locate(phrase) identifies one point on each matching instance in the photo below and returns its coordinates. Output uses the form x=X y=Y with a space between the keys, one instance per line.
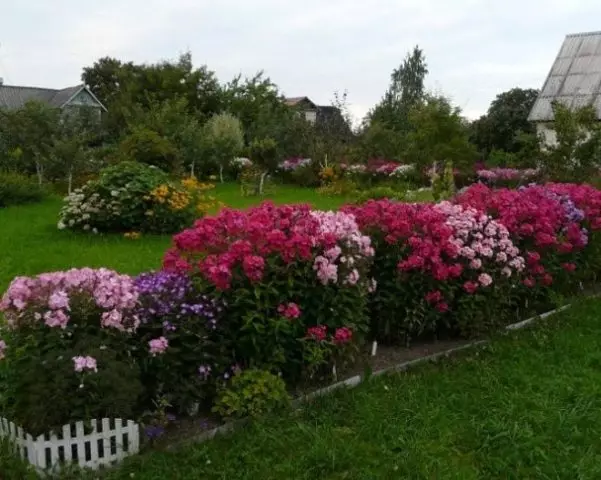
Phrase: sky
x=475 y=49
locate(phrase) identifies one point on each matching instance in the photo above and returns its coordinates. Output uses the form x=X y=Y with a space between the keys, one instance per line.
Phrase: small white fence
x=92 y=444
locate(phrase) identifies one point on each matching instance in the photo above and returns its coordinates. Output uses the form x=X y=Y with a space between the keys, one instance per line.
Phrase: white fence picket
x=50 y=450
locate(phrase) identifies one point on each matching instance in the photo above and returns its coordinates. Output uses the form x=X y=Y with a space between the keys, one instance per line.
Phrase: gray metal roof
x=12 y=97
x=574 y=79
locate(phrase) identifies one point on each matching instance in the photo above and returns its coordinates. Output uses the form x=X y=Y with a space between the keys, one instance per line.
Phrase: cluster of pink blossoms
x=56 y=297
x=83 y=364
x=290 y=310
x=319 y=333
x=158 y=346
x=233 y=238
x=483 y=243
x=335 y=263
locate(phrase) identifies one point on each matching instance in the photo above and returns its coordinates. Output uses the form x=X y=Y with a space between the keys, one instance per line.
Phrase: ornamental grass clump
x=259 y=259
x=67 y=345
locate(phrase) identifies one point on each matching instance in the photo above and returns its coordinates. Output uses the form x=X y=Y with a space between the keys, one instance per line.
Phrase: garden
x=217 y=264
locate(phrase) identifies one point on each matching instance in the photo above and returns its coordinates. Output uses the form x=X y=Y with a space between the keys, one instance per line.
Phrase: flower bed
x=289 y=295
x=508 y=177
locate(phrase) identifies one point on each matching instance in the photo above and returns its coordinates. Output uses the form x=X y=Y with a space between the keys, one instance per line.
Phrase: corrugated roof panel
x=575 y=77
x=595 y=65
x=580 y=64
x=597 y=105
x=571 y=84
x=582 y=101
x=552 y=86
x=589 y=84
x=561 y=66
x=565 y=100
x=589 y=45
x=541 y=110
x=570 y=47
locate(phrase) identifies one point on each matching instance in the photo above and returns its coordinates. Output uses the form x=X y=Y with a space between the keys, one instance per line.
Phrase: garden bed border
x=358 y=379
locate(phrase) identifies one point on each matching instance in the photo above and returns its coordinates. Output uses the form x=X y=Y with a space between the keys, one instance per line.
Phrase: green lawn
x=30 y=242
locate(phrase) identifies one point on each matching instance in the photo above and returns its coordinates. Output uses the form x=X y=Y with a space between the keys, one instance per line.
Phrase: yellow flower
x=132 y=235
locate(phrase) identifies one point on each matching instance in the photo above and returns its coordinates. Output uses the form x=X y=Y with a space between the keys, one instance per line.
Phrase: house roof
x=293 y=101
x=12 y=96
x=574 y=79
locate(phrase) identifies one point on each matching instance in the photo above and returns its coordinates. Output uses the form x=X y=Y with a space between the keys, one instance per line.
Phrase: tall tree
x=505 y=121
x=405 y=91
x=438 y=134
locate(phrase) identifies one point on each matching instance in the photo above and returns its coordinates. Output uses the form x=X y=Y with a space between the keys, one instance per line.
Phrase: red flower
x=442 y=307
x=470 y=287
x=343 y=335
x=532 y=258
x=569 y=267
x=433 y=297
x=290 y=310
x=317 y=333
x=253 y=267
x=547 y=279
x=529 y=282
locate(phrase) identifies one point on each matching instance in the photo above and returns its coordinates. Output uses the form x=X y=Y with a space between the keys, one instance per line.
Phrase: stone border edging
x=358 y=379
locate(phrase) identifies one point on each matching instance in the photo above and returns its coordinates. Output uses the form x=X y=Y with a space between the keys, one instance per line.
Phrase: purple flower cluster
x=169 y=297
x=572 y=213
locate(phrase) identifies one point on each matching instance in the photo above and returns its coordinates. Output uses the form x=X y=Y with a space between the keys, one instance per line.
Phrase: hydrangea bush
x=260 y=259
x=132 y=196
x=66 y=345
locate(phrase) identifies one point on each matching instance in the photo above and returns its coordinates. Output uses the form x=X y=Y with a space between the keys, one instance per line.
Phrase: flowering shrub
x=435 y=267
x=509 y=177
x=377 y=170
x=260 y=259
x=293 y=164
x=546 y=225
x=131 y=196
x=176 y=338
x=66 y=345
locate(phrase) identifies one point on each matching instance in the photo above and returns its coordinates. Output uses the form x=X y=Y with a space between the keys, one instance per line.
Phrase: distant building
x=574 y=81
x=14 y=97
x=326 y=116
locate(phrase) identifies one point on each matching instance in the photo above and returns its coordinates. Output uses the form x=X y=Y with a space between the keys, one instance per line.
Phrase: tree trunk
x=39 y=170
x=262 y=182
x=70 y=181
x=192 y=170
x=221 y=173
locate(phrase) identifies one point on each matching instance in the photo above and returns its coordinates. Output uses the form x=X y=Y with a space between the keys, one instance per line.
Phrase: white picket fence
x=93 y=444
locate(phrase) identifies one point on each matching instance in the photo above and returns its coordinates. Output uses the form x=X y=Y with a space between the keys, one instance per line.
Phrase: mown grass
x=526 y=406
x=30 y=242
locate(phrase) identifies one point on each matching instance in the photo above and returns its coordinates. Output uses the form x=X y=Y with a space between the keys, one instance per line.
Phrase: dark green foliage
x=378 y=193
x=405 y=92
x=438 y=134
x=504 y=125
x=148 y=147
x=252 y=393
x=443 y=183
x=577 y=155
x=39 y=374
x=16 y=189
